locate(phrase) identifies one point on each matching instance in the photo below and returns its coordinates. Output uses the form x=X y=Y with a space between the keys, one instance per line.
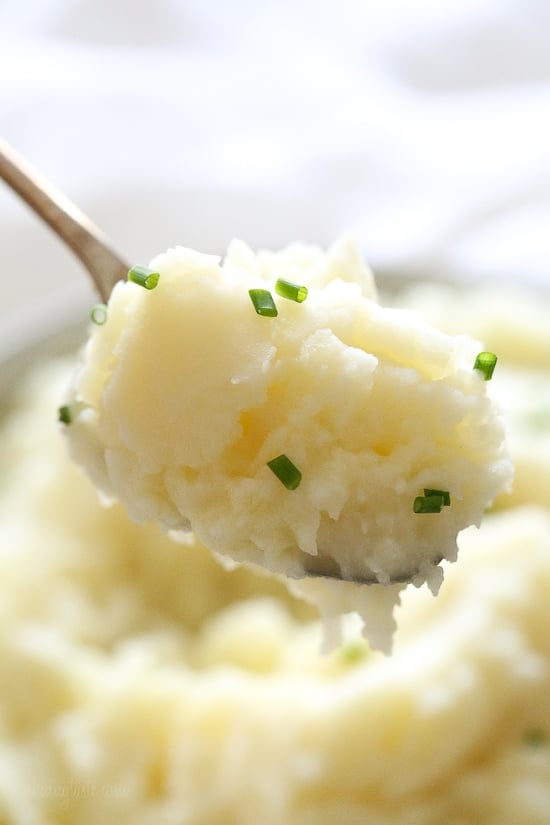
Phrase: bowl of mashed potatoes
x=143 y=681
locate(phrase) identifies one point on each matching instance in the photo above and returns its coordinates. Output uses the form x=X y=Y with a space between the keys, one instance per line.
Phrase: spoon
x=105 y=268
x=87 y=242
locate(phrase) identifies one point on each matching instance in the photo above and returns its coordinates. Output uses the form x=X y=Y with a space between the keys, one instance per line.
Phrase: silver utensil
x=87 y=242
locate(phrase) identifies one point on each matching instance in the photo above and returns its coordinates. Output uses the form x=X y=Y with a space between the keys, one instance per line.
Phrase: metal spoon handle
x=73 y=227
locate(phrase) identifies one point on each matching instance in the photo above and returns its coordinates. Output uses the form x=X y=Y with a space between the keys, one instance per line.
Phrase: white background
x=424 y=125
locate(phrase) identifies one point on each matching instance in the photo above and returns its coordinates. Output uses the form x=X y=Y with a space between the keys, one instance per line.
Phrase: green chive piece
x=428 y=504
x=445 y=495
x=485 y=363
x=263 y=302
x=285 y=471
x=354 y=652
x=64 y=414
x=99 y=314
x=535 y=738
x=143 y=276
x=294 y=292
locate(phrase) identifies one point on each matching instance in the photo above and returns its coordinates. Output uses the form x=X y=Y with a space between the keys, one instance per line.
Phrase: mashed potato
x=298 y=442
x=141 y=683
x=523 y=389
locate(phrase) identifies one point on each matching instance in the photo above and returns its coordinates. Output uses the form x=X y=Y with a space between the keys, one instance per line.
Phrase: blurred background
x=422 y=125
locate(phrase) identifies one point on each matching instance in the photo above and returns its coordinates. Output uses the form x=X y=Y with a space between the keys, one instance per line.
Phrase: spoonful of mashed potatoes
x=271 y=405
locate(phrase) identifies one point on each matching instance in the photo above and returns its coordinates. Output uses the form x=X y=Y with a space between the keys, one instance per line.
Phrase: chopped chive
x=445 y=495
x=535 y=738
x=99 y=314
x=294 y=292
x=485 y=362
x=354 y=652
x=428 y=504
x=285 y=471
x=64 y=414
x=263 y=302
x=143 y=276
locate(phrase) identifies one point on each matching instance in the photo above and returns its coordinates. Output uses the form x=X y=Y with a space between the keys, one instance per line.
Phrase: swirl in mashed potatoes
x=143 y=683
